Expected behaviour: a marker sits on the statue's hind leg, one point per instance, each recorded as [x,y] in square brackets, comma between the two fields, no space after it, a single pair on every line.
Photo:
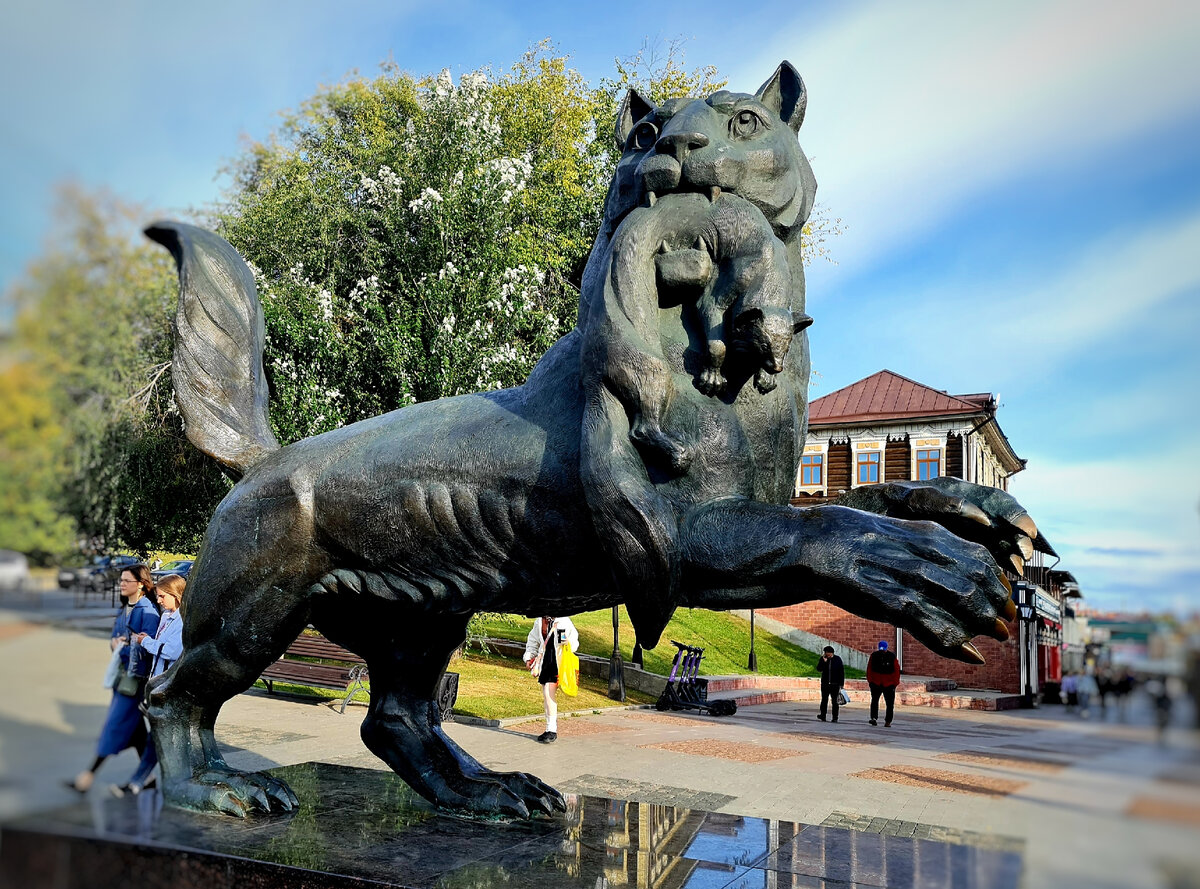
[222,658]
[403,725]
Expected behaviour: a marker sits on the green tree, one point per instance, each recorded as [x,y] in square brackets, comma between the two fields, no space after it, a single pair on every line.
[92,340]
[31,467]
[412,238]
[419,238]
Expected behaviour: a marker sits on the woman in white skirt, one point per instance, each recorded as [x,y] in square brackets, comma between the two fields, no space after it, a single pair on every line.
[542,647]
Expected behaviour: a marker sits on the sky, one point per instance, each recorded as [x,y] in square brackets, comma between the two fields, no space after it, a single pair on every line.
[1019,184]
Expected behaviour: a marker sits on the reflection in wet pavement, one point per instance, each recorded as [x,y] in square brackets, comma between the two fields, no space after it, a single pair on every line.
[355,826]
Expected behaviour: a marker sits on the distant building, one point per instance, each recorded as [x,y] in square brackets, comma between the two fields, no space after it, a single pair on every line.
[889,428]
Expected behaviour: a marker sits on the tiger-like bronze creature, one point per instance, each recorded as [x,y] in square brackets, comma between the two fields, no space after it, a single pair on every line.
[388,534]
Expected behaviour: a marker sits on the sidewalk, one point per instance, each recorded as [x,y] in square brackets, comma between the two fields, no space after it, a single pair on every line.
[1086,803]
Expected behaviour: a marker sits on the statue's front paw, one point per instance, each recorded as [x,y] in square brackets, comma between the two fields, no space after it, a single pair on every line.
[711,382]
[941,588]
[232,792]
[982,514]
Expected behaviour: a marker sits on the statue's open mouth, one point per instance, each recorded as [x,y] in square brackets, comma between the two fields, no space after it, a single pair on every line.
[712,192]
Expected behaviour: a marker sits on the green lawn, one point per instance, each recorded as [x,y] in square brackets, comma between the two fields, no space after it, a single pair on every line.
[493,687]
[724,637]
[496,688]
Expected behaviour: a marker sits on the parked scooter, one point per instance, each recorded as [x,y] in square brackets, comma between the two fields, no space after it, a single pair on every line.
[683,692]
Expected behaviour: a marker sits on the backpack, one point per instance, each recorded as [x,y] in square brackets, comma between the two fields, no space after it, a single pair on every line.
[885,661]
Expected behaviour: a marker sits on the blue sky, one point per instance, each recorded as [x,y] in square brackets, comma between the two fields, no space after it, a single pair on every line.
[1020,185]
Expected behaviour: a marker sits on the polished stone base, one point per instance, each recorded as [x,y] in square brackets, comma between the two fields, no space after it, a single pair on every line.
[360,827]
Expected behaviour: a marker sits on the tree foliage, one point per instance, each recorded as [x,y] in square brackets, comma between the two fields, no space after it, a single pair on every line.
[88,363]
[419,238]
[411,238]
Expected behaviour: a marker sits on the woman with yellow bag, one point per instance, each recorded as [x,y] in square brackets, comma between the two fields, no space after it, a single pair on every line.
[551,641]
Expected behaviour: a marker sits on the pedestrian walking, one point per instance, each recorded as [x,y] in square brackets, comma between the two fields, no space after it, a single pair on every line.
[543,648]
[833,677]
[1070,690]
[164,648]
[1124,688]
[123,726]
[883,675]
[1088,689]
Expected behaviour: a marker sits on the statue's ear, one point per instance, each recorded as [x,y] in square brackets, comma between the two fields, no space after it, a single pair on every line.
[800,321]
[633,108]
[785,94]
[748,318]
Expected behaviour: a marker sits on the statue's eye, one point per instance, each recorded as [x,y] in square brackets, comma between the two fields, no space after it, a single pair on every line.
[643,137]
[745,123]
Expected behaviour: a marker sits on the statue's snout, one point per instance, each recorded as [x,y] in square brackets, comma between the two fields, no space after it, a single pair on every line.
[680,145]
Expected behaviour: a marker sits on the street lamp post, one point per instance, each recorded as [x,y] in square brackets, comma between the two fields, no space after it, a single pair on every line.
[1026,612]
[616,669]
[752,664]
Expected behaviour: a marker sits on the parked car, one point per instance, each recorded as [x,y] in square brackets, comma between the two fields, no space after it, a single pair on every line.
[100,574]
[176,566]
[14,570]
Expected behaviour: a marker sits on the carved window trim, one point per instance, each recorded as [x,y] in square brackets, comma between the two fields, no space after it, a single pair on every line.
[872,461]
[928,463]
[820,450]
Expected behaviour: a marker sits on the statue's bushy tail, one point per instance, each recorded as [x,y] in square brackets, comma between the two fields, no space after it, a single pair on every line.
[217,369]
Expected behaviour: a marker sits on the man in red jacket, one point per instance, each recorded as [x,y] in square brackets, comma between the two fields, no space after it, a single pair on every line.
[883,675]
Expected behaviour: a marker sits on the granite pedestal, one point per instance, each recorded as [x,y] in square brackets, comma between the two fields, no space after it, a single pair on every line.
[361,827]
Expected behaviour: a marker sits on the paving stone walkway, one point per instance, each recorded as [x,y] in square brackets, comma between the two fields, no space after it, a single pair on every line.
[1074,802]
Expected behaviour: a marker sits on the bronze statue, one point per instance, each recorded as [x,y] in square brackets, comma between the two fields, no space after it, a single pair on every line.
[648,460]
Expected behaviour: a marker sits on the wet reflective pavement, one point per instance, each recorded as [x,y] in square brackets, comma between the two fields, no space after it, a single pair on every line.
[362,827]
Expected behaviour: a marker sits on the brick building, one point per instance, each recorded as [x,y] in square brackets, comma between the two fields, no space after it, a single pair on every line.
[889,428]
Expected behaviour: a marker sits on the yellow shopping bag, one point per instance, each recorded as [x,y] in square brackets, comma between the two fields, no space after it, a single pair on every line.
[568,671]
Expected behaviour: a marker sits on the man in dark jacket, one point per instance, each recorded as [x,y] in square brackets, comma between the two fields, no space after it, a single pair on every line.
[883,675]
[833,677]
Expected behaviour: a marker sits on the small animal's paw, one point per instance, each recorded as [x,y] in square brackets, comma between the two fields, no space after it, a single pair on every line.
[659,447]
[764,382]
[232,792]
[711,381]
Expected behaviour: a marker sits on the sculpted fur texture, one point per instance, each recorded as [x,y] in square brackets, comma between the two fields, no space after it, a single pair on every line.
[648,460]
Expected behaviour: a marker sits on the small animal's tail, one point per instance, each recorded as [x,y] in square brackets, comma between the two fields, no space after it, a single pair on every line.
[217,369]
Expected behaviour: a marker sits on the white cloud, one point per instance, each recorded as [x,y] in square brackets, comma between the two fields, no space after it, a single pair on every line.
[915,107]
[1103,289]
[1124,526]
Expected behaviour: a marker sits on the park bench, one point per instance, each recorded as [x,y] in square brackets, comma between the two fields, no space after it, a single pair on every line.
[315,661]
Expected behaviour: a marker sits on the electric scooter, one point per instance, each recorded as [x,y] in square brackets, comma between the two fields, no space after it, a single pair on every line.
[683,692]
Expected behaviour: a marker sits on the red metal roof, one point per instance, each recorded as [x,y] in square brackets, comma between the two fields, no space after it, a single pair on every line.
[887,395]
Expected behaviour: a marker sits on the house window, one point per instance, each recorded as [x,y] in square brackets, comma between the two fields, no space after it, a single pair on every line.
[811,470]
[929,464]
[868,467]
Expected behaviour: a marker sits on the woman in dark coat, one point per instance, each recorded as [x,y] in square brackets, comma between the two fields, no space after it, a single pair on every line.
[123,726]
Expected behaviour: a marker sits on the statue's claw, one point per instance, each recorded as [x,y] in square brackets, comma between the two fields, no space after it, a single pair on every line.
[536,794]
[943,589]
[984,515]
[234,793]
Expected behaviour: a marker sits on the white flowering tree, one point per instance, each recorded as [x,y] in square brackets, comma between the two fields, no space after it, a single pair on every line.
[415,239]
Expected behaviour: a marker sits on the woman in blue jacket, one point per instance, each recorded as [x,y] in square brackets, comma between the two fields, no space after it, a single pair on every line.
[123,726]
[163,647]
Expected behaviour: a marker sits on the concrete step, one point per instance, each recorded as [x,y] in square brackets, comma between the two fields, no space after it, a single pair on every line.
[806,683]
[749,691]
